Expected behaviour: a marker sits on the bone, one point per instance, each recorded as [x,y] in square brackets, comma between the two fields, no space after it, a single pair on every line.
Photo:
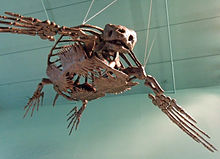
[73,121]
[182,117]
[89,26]
[154,85]
[13,14]
[23,17]
[203,141]
[45,29]
[126,60]
[181,126]
[166,104]
[178,108]
[75,110]
[37,102]
[45,23]
[16,24]
[92,32]
[28,106]
[42,36]
[131,54]
[73,118]
[51,38]
[5,29]
[16,20]
[18,31]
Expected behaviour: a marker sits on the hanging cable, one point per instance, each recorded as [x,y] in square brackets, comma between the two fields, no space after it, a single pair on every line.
[87,13]
[45,10]
[147,37]
[100,11]
[149,53]
[170,47]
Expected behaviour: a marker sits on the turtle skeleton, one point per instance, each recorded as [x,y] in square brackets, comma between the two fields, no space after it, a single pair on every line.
[87,62]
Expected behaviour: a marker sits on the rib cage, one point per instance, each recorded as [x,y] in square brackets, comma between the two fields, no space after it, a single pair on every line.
[75,62]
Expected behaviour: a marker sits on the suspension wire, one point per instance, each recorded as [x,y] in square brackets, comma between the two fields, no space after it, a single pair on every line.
[45,10]
[100,11]
[152,44]
[147,37]
[170,47]
[87,13]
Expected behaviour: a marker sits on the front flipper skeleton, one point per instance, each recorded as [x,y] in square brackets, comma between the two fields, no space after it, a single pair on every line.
[176,114]
[87,62]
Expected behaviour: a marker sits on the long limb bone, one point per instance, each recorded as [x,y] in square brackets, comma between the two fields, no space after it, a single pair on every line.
[153,84]
[75,116]
[125,59]
[176,114]
[131,54]
[89,26]
[35,99]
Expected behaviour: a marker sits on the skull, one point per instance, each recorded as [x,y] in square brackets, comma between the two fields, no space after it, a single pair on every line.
[119,38]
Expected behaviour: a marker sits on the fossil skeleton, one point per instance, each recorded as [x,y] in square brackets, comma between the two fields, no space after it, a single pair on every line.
[86,63]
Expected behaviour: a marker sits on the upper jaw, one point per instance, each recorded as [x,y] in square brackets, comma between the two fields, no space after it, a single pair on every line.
[117,46]
[120,44]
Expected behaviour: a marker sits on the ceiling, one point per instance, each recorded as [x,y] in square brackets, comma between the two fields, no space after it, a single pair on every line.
[188,57]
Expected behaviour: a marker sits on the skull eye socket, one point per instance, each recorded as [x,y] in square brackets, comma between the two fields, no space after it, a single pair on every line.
[110,33]
[121,30]
[130,38]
